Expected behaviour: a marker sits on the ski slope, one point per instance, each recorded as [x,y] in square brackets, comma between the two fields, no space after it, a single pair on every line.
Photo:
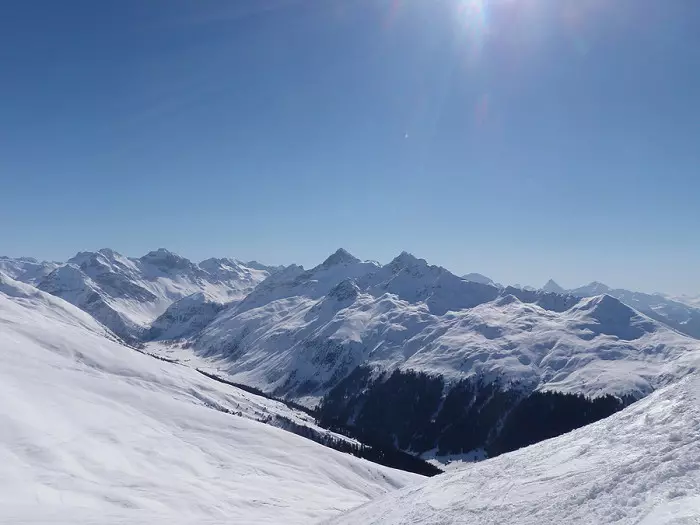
[95,432]
[640,466]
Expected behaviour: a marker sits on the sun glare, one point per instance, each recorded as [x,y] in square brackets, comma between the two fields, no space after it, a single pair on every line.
[472,16]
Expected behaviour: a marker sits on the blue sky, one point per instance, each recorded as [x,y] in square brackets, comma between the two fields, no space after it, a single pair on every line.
[523,139]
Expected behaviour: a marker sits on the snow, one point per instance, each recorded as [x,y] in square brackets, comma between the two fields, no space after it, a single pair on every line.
[690,300]
[639,466]
[450,462]
[95,432]
[478,278]
[185,317]
[26,269]
[681,313]
[128,294]
[551,286]
[314,283]
[298,334]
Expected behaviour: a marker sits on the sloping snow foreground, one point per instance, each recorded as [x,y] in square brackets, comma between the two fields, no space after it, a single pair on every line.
[94,432]
[640,466]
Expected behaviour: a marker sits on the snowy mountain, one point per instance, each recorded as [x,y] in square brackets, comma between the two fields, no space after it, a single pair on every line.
[478,278]
[94,431]
[680,315]
[690,300]
[298,335]
[185,317]
[639,466]
[128,294]
[348,333]
[26,269]
[404,355]
[347,336]
[551,286]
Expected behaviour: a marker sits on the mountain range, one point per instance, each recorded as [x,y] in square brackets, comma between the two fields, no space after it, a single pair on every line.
[682,314]
[679,312]
[127,294]
[376,360]
[338,335]
[299,333]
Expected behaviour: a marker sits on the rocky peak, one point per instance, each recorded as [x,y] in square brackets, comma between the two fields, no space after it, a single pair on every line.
[341,256]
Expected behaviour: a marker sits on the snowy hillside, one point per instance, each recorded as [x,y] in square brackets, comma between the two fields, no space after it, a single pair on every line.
[639,466]
[298,337]
[26,269]
[96,432]
[185,317]
[128,294]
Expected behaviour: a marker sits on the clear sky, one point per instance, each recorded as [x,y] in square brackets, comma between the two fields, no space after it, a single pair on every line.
[523,139]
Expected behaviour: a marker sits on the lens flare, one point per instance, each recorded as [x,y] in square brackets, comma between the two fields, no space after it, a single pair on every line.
[473,16]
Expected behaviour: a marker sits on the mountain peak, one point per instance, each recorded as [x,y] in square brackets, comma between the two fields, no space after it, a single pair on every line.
[82,257]
[256,265]
[160,252]
[607,302]
[66,277]
[477,278]
[613,317]
[507,299]
[166,259]
[597,285]
[108,252]
[552,286]
[405,259]
[214,263]
[606,307]
[341,256]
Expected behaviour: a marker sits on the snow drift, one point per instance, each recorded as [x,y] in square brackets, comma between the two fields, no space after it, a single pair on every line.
[96,432]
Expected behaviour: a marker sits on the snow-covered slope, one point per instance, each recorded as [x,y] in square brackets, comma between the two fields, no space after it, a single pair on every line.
[690,300]
[299,336]
[641,466]
[415,281]
[26,269]
[185,317]
[94,432]
[128,294]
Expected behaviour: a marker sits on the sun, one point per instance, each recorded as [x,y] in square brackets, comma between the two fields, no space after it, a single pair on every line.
[473,17]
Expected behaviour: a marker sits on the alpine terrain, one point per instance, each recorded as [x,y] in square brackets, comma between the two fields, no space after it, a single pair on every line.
[682,313]
[410,355]
[403,356]
[96,432]
[178,391]
[127,294]
[640,466]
